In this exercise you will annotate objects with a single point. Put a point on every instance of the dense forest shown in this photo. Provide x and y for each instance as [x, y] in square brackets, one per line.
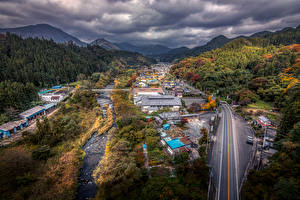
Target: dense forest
[28, 64]
[246, 71]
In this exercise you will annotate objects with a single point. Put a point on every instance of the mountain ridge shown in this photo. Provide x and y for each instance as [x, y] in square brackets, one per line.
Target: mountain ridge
[45, 31]
[105, 44]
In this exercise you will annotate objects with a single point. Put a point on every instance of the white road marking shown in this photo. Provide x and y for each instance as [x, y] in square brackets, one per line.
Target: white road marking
[220, 173]
[235, 152]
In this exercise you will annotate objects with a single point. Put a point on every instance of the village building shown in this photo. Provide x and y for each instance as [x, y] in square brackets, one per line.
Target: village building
[138, 92]
[174, 146]
[169, 116]
[52, 97]
[37, 112]
[12, 127]
[156, 102]
[263, 121]
[33, 113]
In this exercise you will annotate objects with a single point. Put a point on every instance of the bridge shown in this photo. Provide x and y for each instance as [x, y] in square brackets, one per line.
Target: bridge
[109, 90]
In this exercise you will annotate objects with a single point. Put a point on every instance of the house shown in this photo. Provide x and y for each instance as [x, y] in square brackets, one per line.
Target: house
[33, 113]
[142, 84]
[169, 116]
[174, 146]
[263, 121]
[52, 97]
[12, 127]
[49, 107]
[186, 141]
[157, 102]
[138, 92]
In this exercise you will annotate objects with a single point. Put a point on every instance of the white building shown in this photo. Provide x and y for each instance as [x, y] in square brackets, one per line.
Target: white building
[50, 97]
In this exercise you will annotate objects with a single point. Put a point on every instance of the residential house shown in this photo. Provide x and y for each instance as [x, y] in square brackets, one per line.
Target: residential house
[263, 121]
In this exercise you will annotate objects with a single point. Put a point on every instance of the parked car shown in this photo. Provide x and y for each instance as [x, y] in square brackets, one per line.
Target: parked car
[250, 140]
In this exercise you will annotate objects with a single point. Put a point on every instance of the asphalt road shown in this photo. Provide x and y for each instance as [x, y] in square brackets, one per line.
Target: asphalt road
[228, 182]
[230, 154]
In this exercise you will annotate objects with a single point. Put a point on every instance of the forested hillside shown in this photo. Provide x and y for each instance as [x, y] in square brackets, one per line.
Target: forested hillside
[245, 70]
[28, 64]
[285, 36]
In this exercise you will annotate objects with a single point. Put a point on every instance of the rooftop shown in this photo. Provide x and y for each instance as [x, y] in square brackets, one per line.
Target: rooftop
[10, 125]
[140, 90]
[166, 115]
[47, 106]
[162, 100]
[185, 140]
[31, 111]
[263, 119]
[175, 143]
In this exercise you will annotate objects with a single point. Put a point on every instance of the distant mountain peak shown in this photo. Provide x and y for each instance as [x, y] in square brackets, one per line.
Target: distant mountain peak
[105, 44]
[45, 31]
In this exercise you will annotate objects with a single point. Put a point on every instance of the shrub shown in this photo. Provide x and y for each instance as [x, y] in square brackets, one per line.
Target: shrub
[41, 153]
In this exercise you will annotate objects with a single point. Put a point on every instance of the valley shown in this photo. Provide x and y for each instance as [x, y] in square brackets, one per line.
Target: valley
[118, 119]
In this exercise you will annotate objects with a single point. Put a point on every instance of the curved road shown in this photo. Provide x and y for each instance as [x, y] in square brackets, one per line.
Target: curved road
[228, 187]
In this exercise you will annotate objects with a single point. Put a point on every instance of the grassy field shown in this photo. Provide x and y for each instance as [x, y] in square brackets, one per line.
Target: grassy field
[261, 105]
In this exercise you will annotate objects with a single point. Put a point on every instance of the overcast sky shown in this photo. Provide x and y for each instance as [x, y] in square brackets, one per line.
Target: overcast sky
[169, 22]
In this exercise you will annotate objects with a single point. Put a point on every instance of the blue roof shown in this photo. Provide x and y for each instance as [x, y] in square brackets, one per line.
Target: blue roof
[174, 144]
[45, 91]
[50, 105]
[56, 87]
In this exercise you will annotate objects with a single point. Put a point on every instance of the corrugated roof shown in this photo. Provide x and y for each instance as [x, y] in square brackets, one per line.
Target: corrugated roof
[140, 90]
[263, 119]
[163, 100]
[32, 111]
[185, 140]
[47, 106]
[167, 115]
[175, 143]
[10, 125]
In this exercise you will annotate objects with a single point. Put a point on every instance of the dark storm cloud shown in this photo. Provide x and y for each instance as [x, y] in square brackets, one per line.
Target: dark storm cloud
[170, 22]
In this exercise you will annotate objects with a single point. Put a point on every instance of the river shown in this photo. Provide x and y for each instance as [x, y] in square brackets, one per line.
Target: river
[94, 150]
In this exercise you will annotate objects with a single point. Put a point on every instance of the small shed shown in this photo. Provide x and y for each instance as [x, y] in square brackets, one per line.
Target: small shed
[166, 126]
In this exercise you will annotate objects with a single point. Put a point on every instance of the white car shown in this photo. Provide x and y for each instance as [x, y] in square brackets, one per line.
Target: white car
[250, 140]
